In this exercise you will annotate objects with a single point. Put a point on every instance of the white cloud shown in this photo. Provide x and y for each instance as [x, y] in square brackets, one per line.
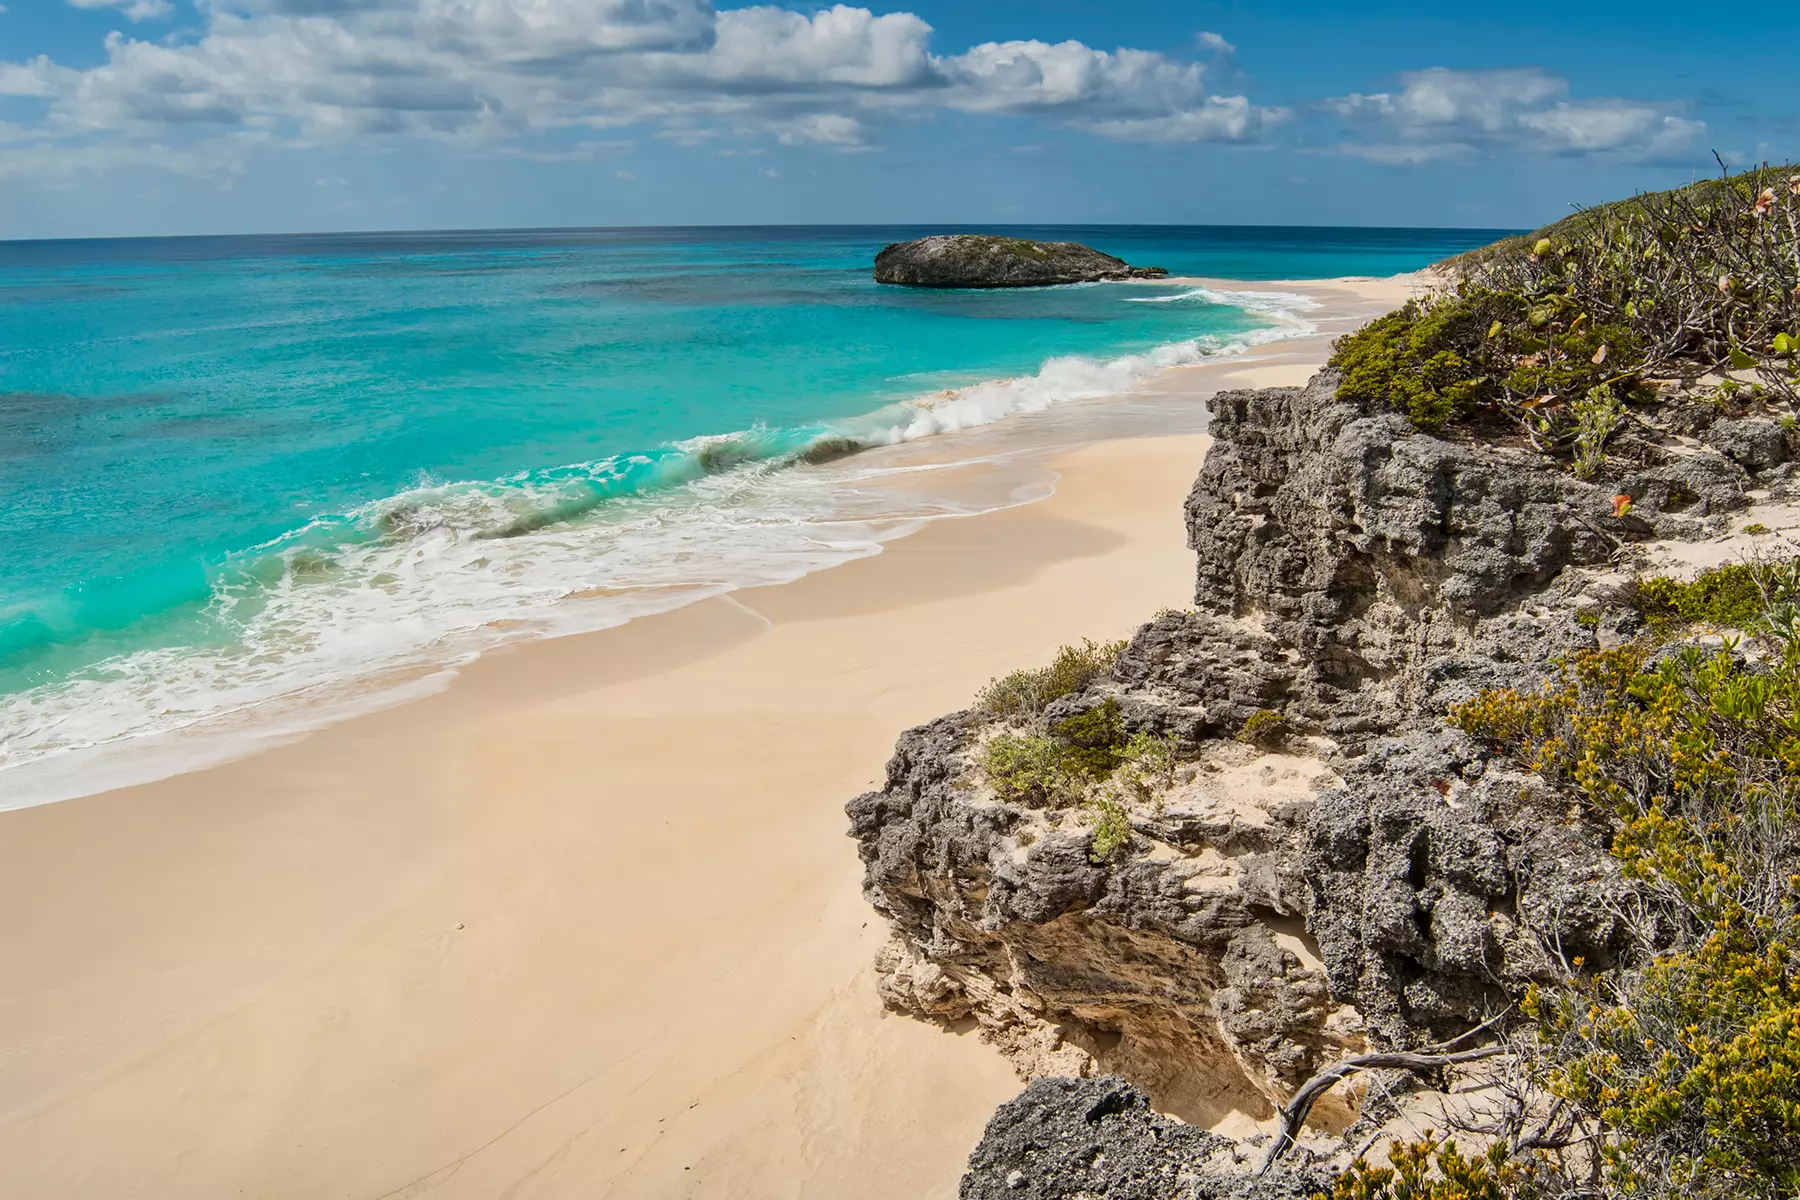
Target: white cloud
[505, 71]
[1219, 119]
[825, 129]
[1440, 113]
[134, 10]
[1134, 95]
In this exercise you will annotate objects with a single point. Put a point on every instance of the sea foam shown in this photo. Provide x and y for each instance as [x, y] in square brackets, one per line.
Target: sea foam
[355, 610]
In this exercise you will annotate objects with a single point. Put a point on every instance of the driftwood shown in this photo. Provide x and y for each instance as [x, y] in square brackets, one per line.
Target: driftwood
[1294, 1114]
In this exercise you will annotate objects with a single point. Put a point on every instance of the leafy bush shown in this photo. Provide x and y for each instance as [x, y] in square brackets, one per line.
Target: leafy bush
[1422, 359]
[1734, 596]
[1031, 769]
[1095, 740]
[1686, 1059]
[1426, 1170]
[1706, 277]
[1023, 695]
[1558, 333]
[1111, 828]
[1535, 359]
[1266, 729]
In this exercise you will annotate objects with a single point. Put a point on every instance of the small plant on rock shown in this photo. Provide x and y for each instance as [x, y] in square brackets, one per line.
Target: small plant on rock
[1266, 729]
[1147, 767]
[1023, 695]
[1031, 768]
[1112, 829]
[1095, 739]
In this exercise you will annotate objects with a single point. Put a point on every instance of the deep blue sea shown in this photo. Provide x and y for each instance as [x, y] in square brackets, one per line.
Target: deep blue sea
[237, 473]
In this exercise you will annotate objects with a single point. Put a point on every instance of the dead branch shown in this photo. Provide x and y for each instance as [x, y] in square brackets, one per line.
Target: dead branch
[1294, 1114]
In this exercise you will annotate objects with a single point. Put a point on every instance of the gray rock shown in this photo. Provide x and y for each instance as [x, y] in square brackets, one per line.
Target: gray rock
[1424, 883]
[1754, 443]
[1360, 578]
[1064, 1138]
[1071, 1139]
[970, 260]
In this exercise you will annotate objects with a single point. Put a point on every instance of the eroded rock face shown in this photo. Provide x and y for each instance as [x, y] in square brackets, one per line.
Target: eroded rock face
[968, 260]
[1371, 885]
[1184, 969]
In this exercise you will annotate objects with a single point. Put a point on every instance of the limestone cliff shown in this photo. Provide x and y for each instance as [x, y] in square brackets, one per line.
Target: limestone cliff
[1364, 883]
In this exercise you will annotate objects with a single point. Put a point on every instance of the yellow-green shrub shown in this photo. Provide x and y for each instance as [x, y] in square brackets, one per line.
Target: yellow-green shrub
[1426, 1170]
[1031, 768]
[1688, 1058]
[1025, 694]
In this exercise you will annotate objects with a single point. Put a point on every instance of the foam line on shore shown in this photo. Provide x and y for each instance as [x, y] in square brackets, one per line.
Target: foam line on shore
[354, 610]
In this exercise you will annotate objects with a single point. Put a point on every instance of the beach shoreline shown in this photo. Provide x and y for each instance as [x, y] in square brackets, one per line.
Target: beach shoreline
[334, 647]
[585, 920]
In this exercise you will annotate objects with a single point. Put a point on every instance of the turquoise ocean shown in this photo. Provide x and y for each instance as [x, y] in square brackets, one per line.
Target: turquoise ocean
[244, 480]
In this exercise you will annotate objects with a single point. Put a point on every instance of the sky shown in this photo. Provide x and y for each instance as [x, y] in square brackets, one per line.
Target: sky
[143, 117]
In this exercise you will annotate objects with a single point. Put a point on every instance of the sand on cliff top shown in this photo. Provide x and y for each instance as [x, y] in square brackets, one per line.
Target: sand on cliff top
[586, 923]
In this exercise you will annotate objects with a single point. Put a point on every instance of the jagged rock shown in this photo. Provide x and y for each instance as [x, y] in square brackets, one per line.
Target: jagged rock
[1063, 1139]
[969, 260]
[1168, 969]
[1427, 865]
[1380, 882]
[1754, 443]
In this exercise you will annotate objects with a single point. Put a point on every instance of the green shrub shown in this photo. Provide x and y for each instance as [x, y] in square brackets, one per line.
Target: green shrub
[1147, 766]
[1266, 729]
[1023, 695]
[1733, 596]
[1555, 333]
[1596, 418]
[1419, 359]
[1032, 769]
[1686, 1058]
[1111, 828]
[1095, 740]
[1536, 360]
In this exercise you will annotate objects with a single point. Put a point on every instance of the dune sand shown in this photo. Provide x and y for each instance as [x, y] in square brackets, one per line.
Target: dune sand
[584, 924]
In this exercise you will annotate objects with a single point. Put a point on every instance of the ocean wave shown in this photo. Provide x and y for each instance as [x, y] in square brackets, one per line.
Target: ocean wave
[1283, 306]
[351, 606]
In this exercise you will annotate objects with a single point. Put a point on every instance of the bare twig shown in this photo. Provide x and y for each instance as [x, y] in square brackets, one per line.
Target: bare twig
[1294, 1114]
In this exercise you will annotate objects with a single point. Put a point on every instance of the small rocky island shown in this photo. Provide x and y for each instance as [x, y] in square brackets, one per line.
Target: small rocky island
[978, 260]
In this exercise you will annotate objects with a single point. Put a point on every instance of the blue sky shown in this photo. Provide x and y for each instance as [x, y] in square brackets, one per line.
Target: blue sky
[196, 116]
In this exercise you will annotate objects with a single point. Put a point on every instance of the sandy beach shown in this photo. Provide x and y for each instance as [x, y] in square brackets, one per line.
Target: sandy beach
[587, 922]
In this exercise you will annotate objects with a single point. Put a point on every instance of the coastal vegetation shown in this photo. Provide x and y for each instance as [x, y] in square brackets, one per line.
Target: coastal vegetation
[1568, 335]
[1087, 760]
[1557, 876]
[1733, 596]
[1676, 1069]
[1027, 693]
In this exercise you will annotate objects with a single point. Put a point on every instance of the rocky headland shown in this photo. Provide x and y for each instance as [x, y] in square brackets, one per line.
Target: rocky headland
[970, 260]
[1296, 858]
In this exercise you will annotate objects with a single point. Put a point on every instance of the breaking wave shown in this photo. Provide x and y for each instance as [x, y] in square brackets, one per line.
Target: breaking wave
[362, 607]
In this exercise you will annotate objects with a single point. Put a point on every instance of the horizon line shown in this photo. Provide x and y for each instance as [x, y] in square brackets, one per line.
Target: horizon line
[845, 225]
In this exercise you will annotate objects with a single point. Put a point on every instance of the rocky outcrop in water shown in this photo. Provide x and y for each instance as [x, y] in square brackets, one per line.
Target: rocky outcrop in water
[1368, 883]
[969, 260]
